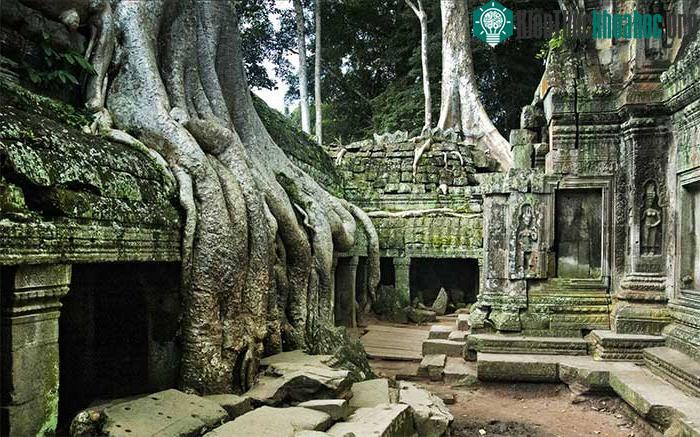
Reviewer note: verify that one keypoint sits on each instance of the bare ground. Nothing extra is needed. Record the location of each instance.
(495, 409)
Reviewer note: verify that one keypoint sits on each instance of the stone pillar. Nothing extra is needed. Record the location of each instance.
(402, 272)
(30, 311)
(345, 277)
(640, 297)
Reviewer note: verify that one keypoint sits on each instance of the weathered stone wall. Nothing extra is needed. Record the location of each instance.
(682, 92)
(421, 203)
(594, 210)
(68, 196)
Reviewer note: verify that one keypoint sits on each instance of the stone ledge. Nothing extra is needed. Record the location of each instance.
(609, 345)
(674, 366)
(660, 403)
(506, 344)
(446, 347)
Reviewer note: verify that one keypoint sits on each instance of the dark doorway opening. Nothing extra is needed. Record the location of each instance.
(387, 274)
(459, 278)
(117, 333)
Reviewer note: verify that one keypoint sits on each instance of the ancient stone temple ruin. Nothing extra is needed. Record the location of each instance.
(579, 265)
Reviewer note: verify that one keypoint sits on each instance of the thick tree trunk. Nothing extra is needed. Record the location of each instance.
(460, 106)
(303, 81)
(423, 19)
(317, 76)
(259, 233)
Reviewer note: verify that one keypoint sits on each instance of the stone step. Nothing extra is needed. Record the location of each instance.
(439, 332)
(674, 366)
(658, 402)
(389, 420)
(517, 367)
(463, 322)
(431, 366)
(273, 422)
(665, 406)
(609, 345)
(458, 336)
(512, 344)
(456, 369)
(446, 347)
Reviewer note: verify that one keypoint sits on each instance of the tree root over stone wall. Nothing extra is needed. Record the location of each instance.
(260, 233)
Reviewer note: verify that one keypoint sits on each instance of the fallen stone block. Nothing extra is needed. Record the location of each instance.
(443, 347)
(456, 369)
(440, 304)
(370, 393)
(274, 422)
(431, 366)
(431, 418)
(388, 420)
(313, 434)
(300, 386)
(457, 336)
(338, 409)
(296, 359)
(439, 332)
(420, 316)
(168, 412)
(234, 405)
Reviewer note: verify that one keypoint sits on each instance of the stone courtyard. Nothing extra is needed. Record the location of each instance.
(560, 296)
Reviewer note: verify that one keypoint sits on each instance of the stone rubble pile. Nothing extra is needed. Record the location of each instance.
(298, 395)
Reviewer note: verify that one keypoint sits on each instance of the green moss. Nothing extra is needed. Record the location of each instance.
(300, 147)
(15, 95)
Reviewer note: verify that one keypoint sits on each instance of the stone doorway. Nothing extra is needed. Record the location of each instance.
(458, 276)
(117, 333)
(579, 231)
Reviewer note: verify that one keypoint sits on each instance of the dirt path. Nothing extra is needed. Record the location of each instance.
(493, 409)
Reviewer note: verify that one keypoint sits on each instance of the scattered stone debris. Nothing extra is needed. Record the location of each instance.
(168, 413)
(297, 395)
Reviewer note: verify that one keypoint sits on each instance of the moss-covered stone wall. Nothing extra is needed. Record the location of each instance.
(70, 196)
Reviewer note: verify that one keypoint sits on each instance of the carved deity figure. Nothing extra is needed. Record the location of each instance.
(527, 237)
(651, 222)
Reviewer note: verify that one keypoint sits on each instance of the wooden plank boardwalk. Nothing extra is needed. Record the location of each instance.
(401, 343)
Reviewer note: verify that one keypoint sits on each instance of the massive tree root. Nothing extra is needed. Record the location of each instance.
(259, 232)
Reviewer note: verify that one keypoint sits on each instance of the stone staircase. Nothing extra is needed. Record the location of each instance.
(662, 385)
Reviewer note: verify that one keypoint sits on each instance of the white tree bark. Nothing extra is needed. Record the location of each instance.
(317, 76)
(423, 19)
(460, 106)
(303, 81)
(259, 233)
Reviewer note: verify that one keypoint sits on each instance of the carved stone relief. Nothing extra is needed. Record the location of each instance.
(527, 246)
(651, 221)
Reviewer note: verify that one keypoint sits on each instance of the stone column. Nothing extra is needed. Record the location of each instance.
(30, 372)
(402, 272)
(345, 277)
(640, 297)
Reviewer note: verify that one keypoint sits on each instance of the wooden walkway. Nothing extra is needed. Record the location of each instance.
(402, 343)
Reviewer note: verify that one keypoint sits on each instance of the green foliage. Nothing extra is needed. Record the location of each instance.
(555, 43)
(372, 75)
(57, 68)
